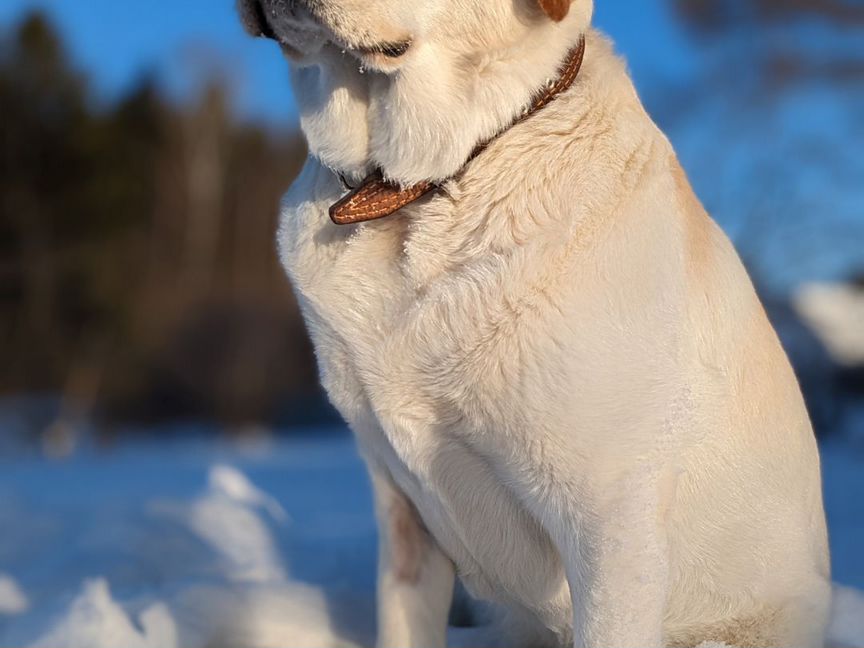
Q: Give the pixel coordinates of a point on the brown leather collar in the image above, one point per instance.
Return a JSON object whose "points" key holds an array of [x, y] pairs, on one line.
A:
{"points": [[377, 197]]}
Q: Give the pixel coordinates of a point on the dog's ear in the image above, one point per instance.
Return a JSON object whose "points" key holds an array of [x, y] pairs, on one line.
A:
{"points": [[557, 10]]}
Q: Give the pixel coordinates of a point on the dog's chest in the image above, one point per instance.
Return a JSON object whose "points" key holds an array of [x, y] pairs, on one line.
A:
{"points": [[411, 356], [422, 327]]}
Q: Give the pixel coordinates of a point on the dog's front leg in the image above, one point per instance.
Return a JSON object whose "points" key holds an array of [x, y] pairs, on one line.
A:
{"points": [[415, 579], [613, 547]]}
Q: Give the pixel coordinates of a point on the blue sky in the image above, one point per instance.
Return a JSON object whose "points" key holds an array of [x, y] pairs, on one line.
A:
{"points": [[183, 41]]}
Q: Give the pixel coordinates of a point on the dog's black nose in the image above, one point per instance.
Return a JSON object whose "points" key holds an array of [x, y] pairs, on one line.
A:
{"points": [[253, 13]]}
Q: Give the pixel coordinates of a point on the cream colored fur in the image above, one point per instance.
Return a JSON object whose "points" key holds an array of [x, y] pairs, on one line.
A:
{"points": [[557, 369]]}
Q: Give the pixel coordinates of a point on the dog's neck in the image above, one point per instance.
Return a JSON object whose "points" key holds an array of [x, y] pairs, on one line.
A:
{"points": [[423, 122]]}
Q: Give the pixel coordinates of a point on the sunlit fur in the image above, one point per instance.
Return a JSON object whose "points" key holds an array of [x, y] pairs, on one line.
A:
{"points": [[556, 367]]}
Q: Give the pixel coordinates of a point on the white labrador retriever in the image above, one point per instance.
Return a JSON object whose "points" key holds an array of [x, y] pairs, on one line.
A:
{"points": [[557, 369]]}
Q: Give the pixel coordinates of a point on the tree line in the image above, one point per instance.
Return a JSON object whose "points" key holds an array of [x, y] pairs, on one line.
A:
{"points": [[138, 272]]}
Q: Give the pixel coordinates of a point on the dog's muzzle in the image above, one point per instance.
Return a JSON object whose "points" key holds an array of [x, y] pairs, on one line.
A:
{"points": [[254, 17], [269, 18], [282, 20]]}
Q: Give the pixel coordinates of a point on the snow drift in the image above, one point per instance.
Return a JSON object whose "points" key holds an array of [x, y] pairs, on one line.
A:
{"points": [[202, 566]]}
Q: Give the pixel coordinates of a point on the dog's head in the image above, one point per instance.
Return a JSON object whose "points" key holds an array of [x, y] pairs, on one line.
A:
{"points": [[412, 86], [382, 33]]}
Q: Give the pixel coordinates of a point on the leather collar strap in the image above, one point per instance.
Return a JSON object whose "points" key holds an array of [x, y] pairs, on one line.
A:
{"points": [[377, 197]]}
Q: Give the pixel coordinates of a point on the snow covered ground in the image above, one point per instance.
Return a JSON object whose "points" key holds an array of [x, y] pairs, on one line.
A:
{"points": [[193, 543]]}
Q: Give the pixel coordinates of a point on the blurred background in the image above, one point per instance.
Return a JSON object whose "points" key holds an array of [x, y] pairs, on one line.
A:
{"points": [[150, 346]]}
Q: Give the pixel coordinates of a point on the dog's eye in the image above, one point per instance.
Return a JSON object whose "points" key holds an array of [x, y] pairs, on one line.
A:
{"points": [[395, 50]]}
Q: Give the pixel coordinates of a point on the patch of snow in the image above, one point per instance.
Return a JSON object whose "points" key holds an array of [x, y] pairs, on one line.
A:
{"points": [[835, 312], [226, 518], [126, 550], [95, 620], [211, 572], [12, 599], [274, 616], [234, 485], [847, 626]]}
